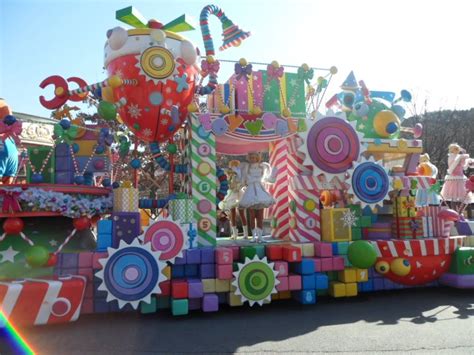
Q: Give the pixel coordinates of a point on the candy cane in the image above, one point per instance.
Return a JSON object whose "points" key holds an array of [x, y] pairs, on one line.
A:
{"points": [[26, 239], [68, 238]]}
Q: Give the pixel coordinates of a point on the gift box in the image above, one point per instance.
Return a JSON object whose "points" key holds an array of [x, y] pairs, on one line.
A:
{"points": [[182, 210], [439, 225], [408, 227], [221, 95], [125, 226], [405, 206], [427, 226], [126, 198]]}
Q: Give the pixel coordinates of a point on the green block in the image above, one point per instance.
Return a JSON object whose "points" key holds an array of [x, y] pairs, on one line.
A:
{"points": [[347, 263], [37, 155], [163, 302], [356, 233], [180, 24], [462, 262], [342, 248], [251, 251], [132, 17], [271, 97], [295, 97], [365, 221], [147, 308], [332, 275], [179, 307], [323, 292], [356, 208], [235, 266]]}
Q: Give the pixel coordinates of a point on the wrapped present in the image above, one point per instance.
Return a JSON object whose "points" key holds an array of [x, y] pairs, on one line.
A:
{"points": [[222, 95], [427, 226], [248, 92], [336, 225], [126, 198], [408, 227], [182, 209], [440, 226], [36, 301], [405, 206], [379, 230]]}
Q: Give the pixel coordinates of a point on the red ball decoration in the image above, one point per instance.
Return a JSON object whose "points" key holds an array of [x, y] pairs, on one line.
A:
{"points": [[13, 225], [53, 259], [81, 223]]}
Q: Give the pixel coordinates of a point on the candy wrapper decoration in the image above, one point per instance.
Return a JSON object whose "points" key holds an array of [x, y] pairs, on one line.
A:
{"points": [[182, 209], [35, 301], [405, 206], [126, 198], [408, 227]]}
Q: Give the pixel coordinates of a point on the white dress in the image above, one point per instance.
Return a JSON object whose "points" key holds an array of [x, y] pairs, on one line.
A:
{"points": [[255, 195], [234, 194], [425, 197]]}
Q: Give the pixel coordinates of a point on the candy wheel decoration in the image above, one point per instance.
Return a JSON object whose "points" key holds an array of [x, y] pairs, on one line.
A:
{"points": [[255, 280], [331, 145], [370, 182], [157, 64], [167, 237], [131, 273]]}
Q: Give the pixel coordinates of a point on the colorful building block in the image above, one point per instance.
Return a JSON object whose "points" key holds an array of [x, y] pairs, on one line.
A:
{"points": [[332, 229], [304, 267], [195, 288], [224, 272], [208, 255], [317, 264], [233, 299], [104, 226], [209, 285], [193, 256], [179, 289], [179, 307], [294, 282], [291, 253], [223, 255], [210, 302], [165, 287], [180, 260], [463, 261], [321, 281], [283, 285], [273, 252], [308, 282], [194, 304], [163, 302], [323, 249], [177, 271], [351, 289], [338, 263], [191, 270], [362, 275], [308, 250], [104, 241], [147, 308], [85, 259], [326, 264], [281, 267], [348, 275], [222, 285], [305, 296], [284, 295], [337, 289], [208, 271]]}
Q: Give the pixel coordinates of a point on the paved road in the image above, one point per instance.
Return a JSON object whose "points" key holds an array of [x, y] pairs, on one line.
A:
{"points": [[427, 321]]}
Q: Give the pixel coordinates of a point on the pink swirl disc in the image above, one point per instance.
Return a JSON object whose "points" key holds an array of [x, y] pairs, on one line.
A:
{"points": [[167, 237]]}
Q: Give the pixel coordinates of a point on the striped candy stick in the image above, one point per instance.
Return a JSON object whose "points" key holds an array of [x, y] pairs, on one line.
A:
{"points": [[305, 220], [204, 186], [296, 158]]}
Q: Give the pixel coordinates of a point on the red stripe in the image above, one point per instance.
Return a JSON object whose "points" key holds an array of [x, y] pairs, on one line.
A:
{"points": [[73, 291], [416, 247], [29, 302], [429, 244], [3, 293]]}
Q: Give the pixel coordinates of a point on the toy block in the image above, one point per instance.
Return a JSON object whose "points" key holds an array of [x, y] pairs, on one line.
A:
{"points": [[86, 272], [347, 275], [322, 292], [308, 250], [294, 282], [167, 271], [210, 302], [362, 275], [291, 253], [317, 264], [165, 287], [299, 246], [69, 260], [224, 272], [222, 285], [179, 307], [233, 299], [191, 270], [64, 177], [305, 296], [321, 281], [87, 306], [308, 282], [147, 308], [338, 263], [208, 256], [179, 289], [304, 267], [283, 285], [194, 304], [326, 264], [273, 252], [284, 295], [332, 229], [104, 241], [351, 289], [337, 289], [367, 286], [275, 297], [224, 256], [193, 256], [332, 275], [104, 226], [357, 209], [342, 248], [235, 252], [463, 261], [163, 302], [85, 259], [209, 285], [177, 271], [125, 226], [89, 292], [347, 263], [281, 267], [323, 249], [62, 150], [195, 289], [247, 252], [180, 260], [365, 221], [378, 284], [457, 280], [207, 271], [356, 233], [222, 297], [235, 266]]}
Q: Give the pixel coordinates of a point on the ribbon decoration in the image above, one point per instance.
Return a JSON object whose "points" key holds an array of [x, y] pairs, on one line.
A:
{"points": [[242, 70], [305, 74], [274, 73], [210, 67], [10, 201], [12, 131], [65, 135], [105, 137]]}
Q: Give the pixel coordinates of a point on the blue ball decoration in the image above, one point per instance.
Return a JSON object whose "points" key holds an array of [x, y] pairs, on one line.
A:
{"points": [[100, 149], [115, 185], [106, 182], [75, 147], [37, 178], [392, 127], [65, 124], [79, 179], [135, 163], [9, 120]]}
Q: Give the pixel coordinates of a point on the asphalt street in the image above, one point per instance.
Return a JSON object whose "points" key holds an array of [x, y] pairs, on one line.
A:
{"points": [[426, 321]]}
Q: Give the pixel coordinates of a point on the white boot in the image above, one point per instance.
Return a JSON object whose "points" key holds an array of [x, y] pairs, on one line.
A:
{"points": [[235, 233], [260, 235], [246, 232], [254, 236]]}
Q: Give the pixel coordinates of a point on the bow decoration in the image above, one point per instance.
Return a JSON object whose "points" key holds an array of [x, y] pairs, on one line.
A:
{"points": [[10, 201], [210, 68], [65, 135], [12, 131], [242, 71], [105, 137], [414, 225], [305, 74], [274, 72]]}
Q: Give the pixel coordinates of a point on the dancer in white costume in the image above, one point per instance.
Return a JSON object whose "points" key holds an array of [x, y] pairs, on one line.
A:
{"points": [[255, 197]]}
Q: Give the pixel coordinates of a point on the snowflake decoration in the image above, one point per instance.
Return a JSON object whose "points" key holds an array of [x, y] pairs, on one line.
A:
{"points": [[134, 111], [349, 219], [147, 132], [164, 121], [119, 73]]}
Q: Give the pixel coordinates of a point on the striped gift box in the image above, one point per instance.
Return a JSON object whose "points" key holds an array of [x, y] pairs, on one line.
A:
{"points": [[408, 227], [441, 228]]}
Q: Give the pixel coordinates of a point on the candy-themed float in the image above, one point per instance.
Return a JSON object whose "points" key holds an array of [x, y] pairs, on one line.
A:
{"points": [[352, 207]]}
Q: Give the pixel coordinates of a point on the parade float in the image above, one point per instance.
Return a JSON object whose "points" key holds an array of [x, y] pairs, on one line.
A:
{"points": [[345, 195]]}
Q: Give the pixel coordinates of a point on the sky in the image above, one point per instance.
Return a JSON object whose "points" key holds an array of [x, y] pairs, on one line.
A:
{"points": [[422, 46]]}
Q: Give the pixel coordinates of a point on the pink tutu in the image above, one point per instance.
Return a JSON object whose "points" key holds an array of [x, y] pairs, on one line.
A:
{"points": [[454, 189]]}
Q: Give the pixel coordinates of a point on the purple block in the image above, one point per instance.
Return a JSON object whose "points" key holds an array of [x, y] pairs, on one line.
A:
{"points": [[85, 259], [181, 260], [193, 256], [64, 177], [210, 302], [64, 164], [464, 228], [126, 226], [195, 289], [208, 271], [207, 255], [69, 260], [68, 271], [191, 270], [62, 150], [378, 284], [194, 304], [457, 281]]}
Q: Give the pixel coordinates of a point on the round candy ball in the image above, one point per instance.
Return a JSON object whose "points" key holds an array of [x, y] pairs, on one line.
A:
{"points": [[79, 180], [99, 164], [362, 254], [75, 148], [100, 149], [115, 185], [13, 225], [37, 256], [107, 110], [81, 223], [135, 163], [37, 178], [53, 260], [65, 124], [172, 148]]}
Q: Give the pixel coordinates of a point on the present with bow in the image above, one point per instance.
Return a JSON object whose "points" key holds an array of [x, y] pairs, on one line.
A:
{"points": [[181, 208], [405, 206], [408, 227], [126, 198], [10, 201]]}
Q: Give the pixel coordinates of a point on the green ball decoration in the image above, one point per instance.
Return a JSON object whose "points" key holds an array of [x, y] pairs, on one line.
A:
{"points": [[172, 148], [107, 110], [37, 256], [362, 254]]}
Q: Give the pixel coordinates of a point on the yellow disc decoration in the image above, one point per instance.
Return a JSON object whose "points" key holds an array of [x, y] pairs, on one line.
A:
{"points": [[204, 168], [309, 205], [157, 62]]}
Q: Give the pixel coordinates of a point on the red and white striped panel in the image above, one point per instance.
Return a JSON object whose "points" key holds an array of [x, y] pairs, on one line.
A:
{"points": [[305, 226], [419, 247], [296, 158], [424, 182], [37, 301], [279, 190]]}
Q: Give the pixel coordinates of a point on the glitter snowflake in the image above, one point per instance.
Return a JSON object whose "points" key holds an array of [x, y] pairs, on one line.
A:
{"points": [[292, 102], [349, 219], [119, 73], [164, 121], [147, 132], [134, 110]]}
